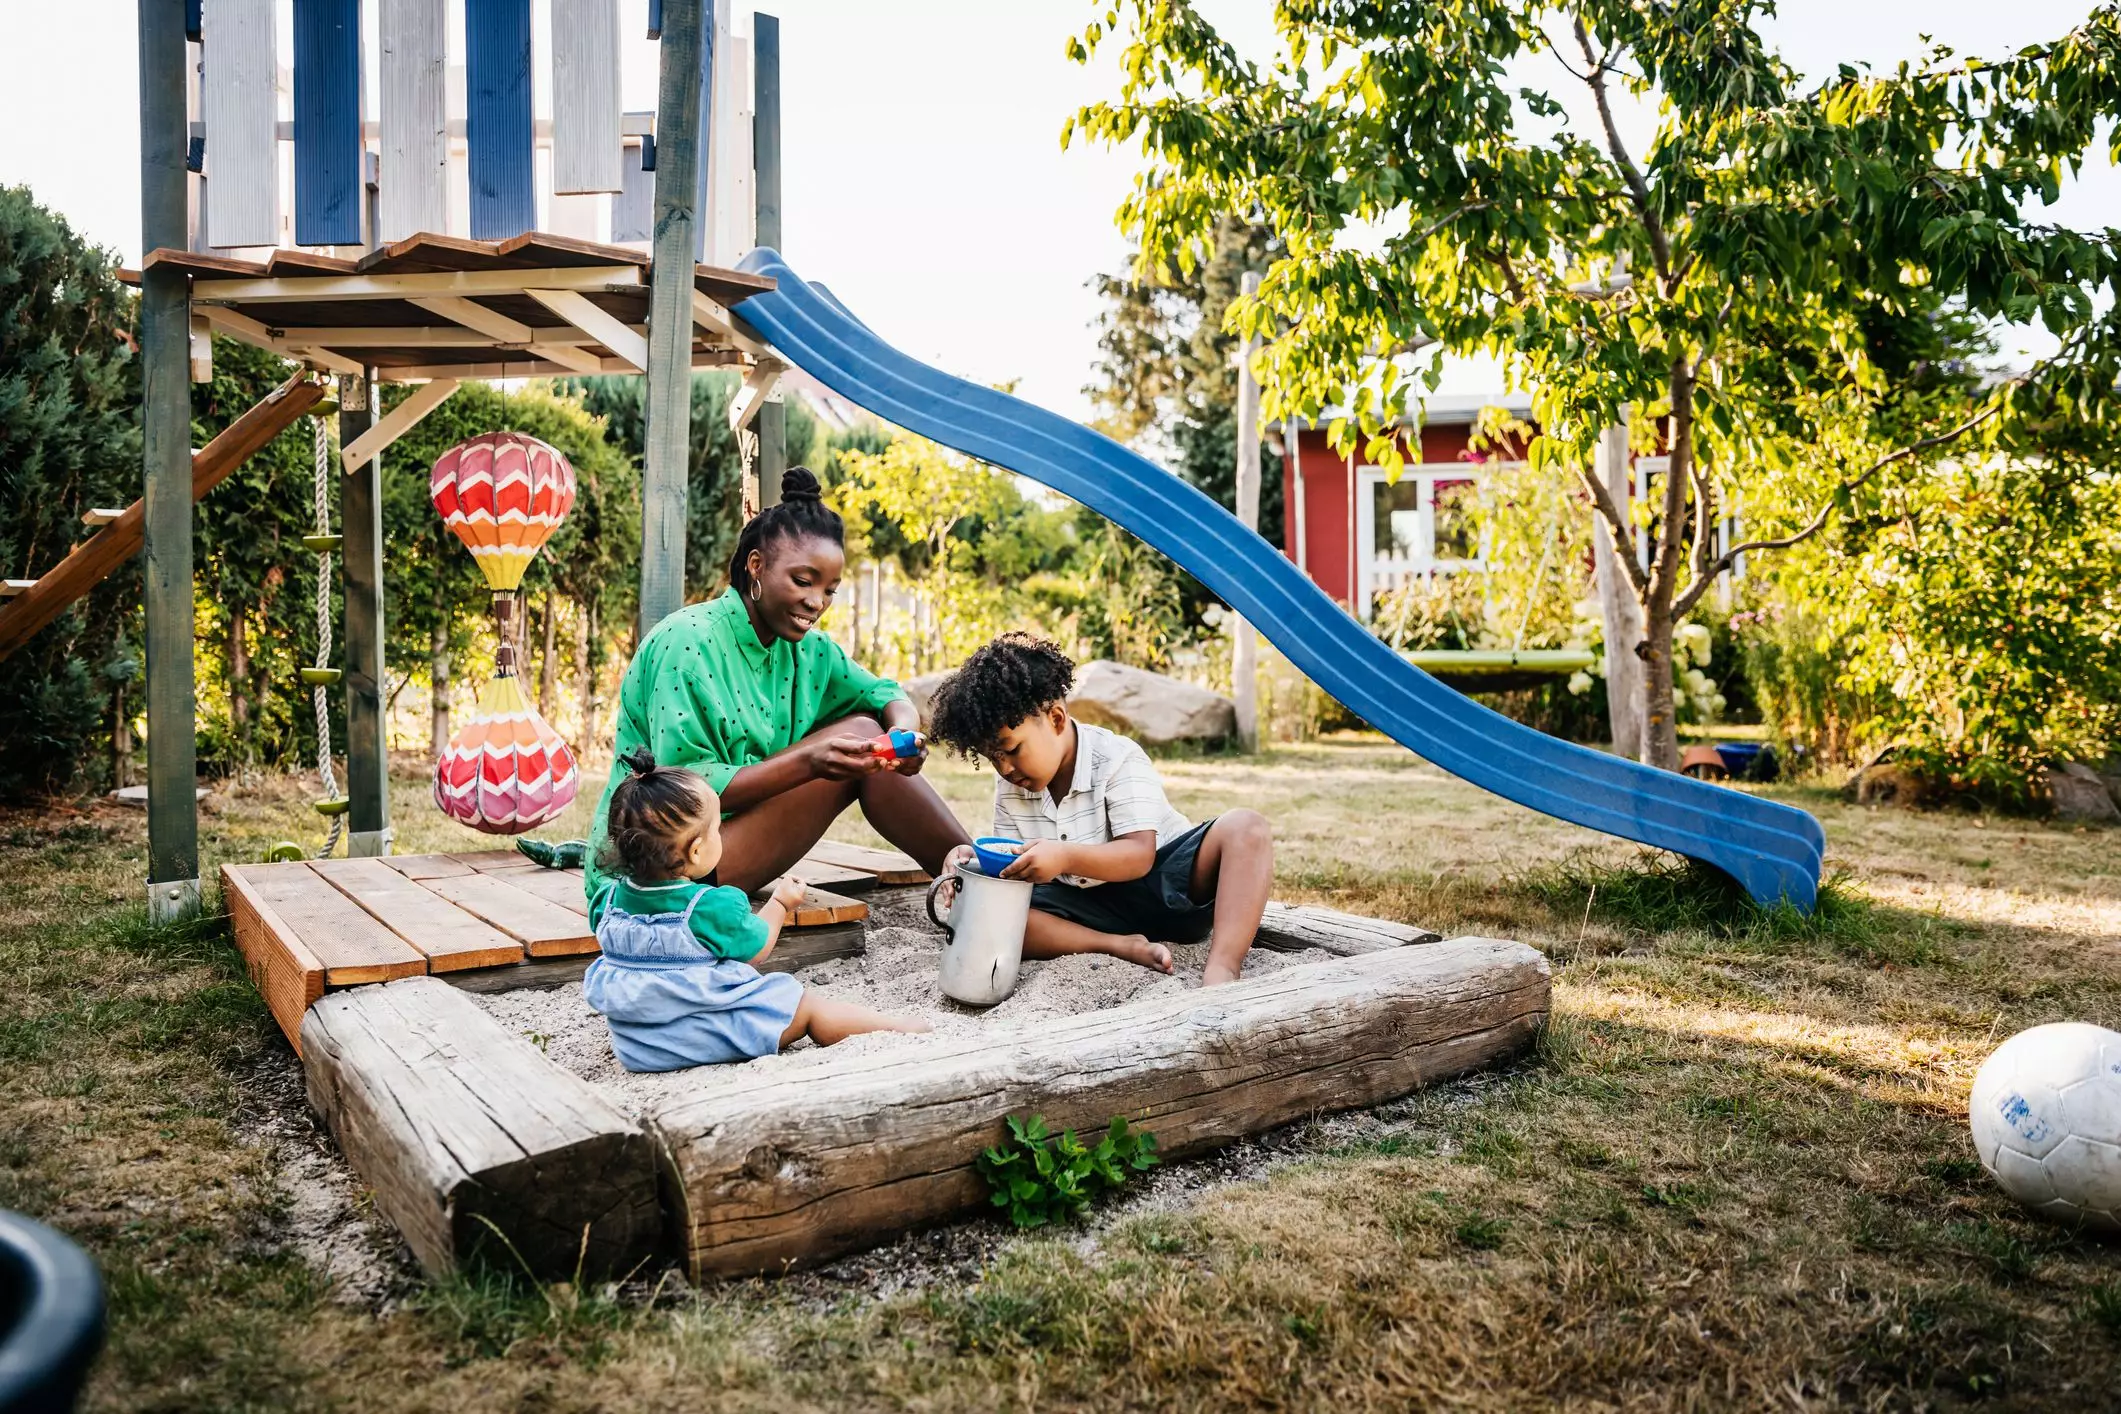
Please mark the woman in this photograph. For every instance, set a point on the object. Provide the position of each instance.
(776, 717)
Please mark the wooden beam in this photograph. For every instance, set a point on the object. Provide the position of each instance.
(469, 283)
(475, 1144)
(9, 588)
(396, 423)
(772, 423)
(607, 329)
(758, 387)
(283, 969)
(354, 337)
(361, 570)
(1197, 1069)
(473, 315)
(119, 541)
(726, 327)
(99, 517)
(302, 345)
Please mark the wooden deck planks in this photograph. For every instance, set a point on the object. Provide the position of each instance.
(889, 866)
(451, 939)
(285, 972)
(560, 887)
(820, 908)
(836, 877)
(544, 929)
(351, 945)
(428, 866)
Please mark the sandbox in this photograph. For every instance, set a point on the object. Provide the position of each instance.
(483, 1105)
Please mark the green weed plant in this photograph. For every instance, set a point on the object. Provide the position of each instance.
(1042, 1178)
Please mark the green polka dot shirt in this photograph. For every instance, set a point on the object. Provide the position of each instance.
(705, 694)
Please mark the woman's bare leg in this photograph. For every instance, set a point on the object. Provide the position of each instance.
(1047, 935)
(829, 1022)
(1235, 867)
(764, 842)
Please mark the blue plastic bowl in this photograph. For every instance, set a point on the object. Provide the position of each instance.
(996, 853)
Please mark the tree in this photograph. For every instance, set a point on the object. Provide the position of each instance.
(1762, 285)
(1167, 365)
(69, 441)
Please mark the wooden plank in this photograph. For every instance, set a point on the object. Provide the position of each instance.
(633, 209)
(559, 887)
(450, 938)
(361, 573)
(488, 861)
(473, 284)
(285, 972)
(9, 588)
(119, 541)
(240, 50)
(411, 188)
(353, 947)
(396, 423)
(585, 96)
(836, 877)
(819, 908)
(1289, 928)
(544, 929)
(799, 948)
(497, 124)
(461, 1129)
(96, 517)
(428, 866)
(607, 329)
(328, 122)
(1197, 1069)
(889, 866)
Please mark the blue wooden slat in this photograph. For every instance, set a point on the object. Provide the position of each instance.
(327, 122)
(192, 20)
(497, 124)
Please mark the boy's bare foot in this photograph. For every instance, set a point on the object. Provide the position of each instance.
(1215, 975)
(1136, 948)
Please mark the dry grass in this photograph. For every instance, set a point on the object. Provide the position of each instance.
(1735, 1175)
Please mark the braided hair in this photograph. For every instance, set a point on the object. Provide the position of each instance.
(801, 515)
(653, 814)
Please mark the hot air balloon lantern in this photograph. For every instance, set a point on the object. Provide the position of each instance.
(506, 770)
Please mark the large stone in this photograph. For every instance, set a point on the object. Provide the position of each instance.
(1151, 708)
(2079, 794)
(921, 692)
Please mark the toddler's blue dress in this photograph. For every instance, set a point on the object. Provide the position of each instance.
(671, 1002)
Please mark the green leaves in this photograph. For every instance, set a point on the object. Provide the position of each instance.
(1041, 1178)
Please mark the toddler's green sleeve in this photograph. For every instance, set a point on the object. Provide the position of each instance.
(726, 926)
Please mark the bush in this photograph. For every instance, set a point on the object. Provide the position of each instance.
(69, 440)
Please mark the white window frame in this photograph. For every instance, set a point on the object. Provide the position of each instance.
(1375, 573)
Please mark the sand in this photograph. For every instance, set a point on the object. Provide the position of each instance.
(897, 974)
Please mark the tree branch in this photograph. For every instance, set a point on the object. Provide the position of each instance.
(1818, 522)
(1616, 525)
(1660, 245)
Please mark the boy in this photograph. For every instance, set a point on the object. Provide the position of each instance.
(1115, 868)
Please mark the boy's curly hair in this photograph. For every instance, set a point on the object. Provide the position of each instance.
(1012, 678)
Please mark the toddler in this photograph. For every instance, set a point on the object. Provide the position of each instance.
(677, 976)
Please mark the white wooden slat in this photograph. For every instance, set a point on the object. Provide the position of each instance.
(240, 49)
(720, 118)
(585, 96)
(738, 213)
(412, 187)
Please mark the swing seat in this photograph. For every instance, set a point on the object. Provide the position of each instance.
(336, 805)
(323, 544)
(323, 677)
(285, 852)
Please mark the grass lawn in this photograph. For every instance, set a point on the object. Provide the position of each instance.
(1736, 1173)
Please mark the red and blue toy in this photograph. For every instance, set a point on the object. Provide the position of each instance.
(899, 745)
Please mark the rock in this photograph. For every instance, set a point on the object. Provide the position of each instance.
(1151, 708)
(1883, 783)
(920, 692)
(2079, 794)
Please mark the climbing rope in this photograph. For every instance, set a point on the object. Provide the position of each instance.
(324, 769)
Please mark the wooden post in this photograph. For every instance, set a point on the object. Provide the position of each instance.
(772, 425)
(1244, 644)
(361, 522)
(1616, 598)
(668, 433)
(165, 375)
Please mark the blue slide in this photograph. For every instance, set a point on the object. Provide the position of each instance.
(1773, 850)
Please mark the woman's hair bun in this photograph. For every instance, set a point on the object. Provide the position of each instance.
(798, 483)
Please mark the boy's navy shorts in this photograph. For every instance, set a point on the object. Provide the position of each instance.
(1159, 905)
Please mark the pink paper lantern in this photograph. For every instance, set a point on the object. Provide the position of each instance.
(505, 771)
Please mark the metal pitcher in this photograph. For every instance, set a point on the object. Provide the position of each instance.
(984, 936)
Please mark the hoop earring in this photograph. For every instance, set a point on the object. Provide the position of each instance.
(754, 591)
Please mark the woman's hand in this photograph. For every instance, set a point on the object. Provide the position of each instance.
(843, 758)
(911, 765)
(1041, 862)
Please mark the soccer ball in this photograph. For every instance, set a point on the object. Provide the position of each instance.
(2046, 1116)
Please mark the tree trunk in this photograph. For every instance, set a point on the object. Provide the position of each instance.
(121, 740)
(1660, 725)
(581, 665)
(549, 661)
(1621, 609)
(438, 683)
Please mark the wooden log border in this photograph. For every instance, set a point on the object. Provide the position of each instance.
(840, 1157)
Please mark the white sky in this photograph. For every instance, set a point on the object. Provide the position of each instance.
(923, 175)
